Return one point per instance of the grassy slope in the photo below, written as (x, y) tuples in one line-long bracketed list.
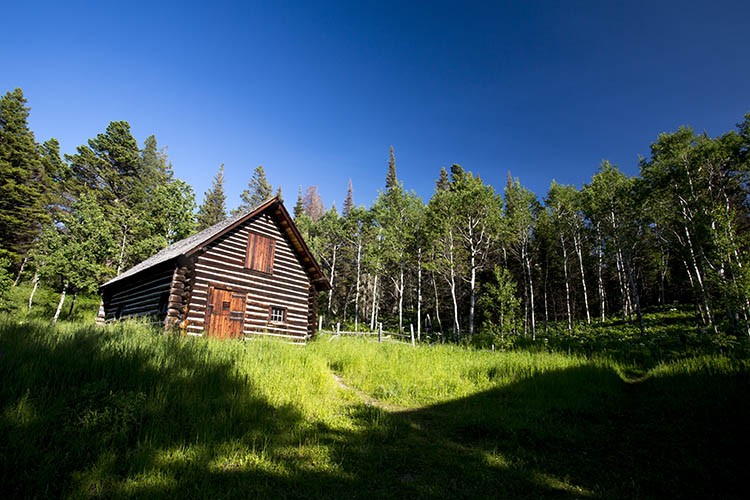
[(125, 411)]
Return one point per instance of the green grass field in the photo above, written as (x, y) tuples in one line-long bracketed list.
[(128, 411)]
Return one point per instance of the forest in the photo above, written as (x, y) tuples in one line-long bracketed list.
[(473, 264)]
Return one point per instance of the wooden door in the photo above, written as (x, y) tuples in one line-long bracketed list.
[(225, 314)]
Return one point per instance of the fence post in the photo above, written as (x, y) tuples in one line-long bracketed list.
[(380, 332), (411, 327), (338, 328), (320, 323)]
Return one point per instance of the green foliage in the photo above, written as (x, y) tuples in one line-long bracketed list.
[(443, 182), (390, 178), (299, 206), (258, 191), (6, 281), (213, 210), (348, 201), (501, 308), (76, 251), (109, 166), (22, 179), (81, 310)]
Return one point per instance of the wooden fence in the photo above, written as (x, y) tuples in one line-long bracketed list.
[(382, 336)]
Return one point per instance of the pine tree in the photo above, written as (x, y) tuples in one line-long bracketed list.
[(258, 190), (154, 162), (299, 207), (58, 177), (390, 179), (22, 199), (443, 183), (111, 166), (349, 200), (213, 210)]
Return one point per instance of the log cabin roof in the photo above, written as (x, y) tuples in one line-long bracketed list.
[(197, 242)]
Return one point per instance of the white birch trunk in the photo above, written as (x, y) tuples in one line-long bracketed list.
[(419, 294), (333, 274), (579, 250), (567, 286), (35, 280), (373, 314), (60, 303), (20, 271), (356, 294)]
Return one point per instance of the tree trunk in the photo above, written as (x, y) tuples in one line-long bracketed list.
[(452, 283), (437, 304), (699, 279), (419, 294), (72, 303), (544, 294), (35, 280), (20, 271), (456, 325), (531, 295), (662, 277), (567, 286), (333, 272), (600, 273), (472, 294), (356, 295), (636, 298), (373, 314), (401, 300), (60, 303), (579, 250), (122, 250)]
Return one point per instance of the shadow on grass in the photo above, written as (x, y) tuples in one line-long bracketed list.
[(80, 418)]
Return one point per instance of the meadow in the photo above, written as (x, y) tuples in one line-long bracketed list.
[(128, 411)]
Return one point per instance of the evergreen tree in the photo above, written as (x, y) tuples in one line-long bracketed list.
[(299, 207), (349, 200), (213, 210), (390, 179), (111, 166), (22, 179), (154, 163), (58, 177), (443, 182), (258, 191)]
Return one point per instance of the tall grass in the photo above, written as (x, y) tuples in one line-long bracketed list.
[(431, 374), (129, 411)]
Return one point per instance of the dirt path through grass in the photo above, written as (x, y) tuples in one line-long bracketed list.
[(366, 398)]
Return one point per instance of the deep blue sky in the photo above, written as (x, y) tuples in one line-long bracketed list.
[(318, 93)]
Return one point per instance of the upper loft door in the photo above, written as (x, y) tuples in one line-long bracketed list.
[(225, 313)]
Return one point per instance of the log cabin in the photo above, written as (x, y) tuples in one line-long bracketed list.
[(249, 275)]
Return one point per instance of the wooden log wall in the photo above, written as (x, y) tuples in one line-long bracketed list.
[(312, 310), (140, 296), (179, 294), (223, 264)]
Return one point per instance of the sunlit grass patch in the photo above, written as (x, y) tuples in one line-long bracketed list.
[(407, 376)]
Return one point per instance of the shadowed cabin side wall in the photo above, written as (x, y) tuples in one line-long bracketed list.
[(143, 295), (223, 263)]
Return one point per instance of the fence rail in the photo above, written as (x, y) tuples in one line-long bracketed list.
[(382, 335)]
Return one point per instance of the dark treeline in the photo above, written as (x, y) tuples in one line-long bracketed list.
[(471, 261)]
